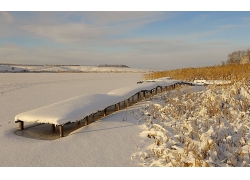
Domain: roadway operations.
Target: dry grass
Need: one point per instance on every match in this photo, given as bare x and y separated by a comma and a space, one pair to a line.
234, 72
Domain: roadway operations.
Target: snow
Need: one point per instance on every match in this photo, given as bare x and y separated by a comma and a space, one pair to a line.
79, 107
124, 138
51, 68
202, 82
190, 128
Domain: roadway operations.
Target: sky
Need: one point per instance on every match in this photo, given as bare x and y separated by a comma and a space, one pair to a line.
151, 39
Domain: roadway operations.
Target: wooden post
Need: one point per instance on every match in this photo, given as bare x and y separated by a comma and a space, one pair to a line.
144, 95
61, 131
86, 121
132, 99
118, 106
105, 112
124, 103
115, 107
53, 128
128, 102
20, 125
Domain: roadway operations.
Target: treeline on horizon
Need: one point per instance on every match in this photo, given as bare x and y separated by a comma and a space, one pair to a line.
236, 68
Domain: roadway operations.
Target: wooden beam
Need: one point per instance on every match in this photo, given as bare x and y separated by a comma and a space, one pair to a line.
61, 131
20, 125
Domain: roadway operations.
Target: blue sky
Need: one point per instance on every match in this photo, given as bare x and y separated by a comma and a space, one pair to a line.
141, 39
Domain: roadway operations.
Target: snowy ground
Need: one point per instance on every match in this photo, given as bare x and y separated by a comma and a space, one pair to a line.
118, 140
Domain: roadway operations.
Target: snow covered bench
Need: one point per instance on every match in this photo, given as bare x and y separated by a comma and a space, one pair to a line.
81, 107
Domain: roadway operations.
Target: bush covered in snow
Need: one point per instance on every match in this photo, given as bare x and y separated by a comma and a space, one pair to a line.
206, 128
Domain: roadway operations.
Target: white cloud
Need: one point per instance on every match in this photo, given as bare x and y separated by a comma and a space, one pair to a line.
6, 17
92, 25
183, 54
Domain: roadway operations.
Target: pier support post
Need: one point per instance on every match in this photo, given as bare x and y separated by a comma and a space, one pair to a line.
144, 95
20, 125
138, 96
118, 106
105, 112
53, 128
128, 102
61, 131
86, 121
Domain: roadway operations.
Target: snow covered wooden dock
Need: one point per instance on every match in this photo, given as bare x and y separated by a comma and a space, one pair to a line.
80, 108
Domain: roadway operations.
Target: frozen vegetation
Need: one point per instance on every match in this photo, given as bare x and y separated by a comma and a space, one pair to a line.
190, 128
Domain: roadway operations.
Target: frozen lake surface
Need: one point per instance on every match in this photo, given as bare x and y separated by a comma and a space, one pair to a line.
93, 145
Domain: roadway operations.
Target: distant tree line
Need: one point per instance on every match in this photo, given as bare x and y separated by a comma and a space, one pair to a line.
114, 65
238, 57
